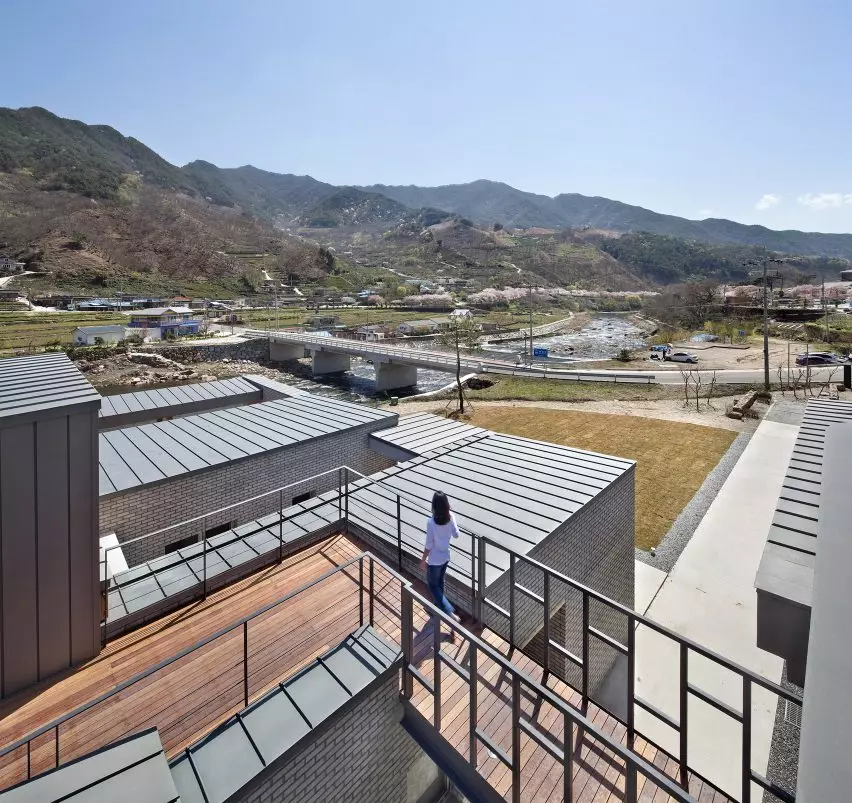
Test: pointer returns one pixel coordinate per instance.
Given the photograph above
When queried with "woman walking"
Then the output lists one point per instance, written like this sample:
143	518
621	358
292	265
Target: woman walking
440	530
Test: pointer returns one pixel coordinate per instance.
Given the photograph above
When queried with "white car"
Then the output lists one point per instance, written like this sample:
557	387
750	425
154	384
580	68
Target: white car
681	356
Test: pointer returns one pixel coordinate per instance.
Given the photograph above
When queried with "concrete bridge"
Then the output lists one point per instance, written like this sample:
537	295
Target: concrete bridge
396	366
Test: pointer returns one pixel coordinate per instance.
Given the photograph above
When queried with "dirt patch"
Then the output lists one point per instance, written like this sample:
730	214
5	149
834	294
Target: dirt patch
660	410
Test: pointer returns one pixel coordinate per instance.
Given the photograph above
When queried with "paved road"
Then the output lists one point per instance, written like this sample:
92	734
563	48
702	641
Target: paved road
739	376
664	374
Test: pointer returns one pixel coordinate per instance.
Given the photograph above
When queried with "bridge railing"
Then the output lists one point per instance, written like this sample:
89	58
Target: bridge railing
442	361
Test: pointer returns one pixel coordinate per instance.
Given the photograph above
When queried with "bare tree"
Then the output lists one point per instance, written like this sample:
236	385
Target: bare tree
462	334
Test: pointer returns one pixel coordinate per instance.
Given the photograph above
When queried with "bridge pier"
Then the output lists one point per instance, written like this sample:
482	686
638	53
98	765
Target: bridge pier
391	375
283	351
327	362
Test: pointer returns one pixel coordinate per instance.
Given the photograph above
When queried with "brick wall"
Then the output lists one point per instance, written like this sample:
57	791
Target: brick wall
365	756
594	547
140	511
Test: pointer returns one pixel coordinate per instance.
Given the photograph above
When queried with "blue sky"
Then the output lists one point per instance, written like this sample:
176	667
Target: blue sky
726	108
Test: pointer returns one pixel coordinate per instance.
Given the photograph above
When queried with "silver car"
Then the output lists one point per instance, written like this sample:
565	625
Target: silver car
682	356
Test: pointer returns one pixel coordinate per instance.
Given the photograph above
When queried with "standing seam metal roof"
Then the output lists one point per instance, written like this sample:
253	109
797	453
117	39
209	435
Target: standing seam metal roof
513	490
425	432
41	383
149	453
164	398
788	559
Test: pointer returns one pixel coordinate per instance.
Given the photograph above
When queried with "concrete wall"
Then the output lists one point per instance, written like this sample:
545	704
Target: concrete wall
49	583
365	756
595	547
143	510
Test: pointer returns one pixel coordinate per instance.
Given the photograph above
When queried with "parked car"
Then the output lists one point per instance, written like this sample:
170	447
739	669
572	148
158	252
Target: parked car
819	358
682	356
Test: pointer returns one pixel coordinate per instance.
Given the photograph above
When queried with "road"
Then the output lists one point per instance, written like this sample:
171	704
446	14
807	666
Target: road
738	376
441	361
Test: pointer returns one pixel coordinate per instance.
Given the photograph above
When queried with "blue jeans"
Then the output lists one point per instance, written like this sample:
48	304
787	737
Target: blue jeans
435	578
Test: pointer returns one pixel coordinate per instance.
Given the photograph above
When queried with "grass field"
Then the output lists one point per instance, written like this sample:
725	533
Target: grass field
672	459
34	330
21	329
531	389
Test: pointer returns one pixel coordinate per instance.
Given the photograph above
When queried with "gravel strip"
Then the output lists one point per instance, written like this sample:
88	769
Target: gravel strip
784	751
676	539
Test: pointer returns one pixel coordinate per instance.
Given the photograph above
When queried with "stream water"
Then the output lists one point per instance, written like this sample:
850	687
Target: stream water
600	339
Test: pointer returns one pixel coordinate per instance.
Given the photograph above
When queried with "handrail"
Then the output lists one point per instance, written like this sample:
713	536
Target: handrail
706	652
634	763
425	356
177	656
633	619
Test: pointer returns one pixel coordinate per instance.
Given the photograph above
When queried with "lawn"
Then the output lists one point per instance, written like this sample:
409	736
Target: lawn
533	389
672	459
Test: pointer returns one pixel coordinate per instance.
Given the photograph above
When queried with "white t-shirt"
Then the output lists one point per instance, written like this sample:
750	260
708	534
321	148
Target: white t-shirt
438	540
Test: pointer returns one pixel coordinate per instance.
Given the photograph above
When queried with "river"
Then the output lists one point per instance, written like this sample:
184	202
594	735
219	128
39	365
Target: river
601	338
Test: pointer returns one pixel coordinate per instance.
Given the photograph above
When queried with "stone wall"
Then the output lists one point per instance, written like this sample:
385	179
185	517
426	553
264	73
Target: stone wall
142	510
256	350
363	757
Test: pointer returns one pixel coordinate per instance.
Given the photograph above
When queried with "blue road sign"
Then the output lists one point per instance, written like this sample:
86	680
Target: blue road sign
539	352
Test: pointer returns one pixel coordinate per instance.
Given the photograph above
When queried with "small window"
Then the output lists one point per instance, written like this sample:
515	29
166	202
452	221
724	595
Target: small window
218	529
297	500
176	545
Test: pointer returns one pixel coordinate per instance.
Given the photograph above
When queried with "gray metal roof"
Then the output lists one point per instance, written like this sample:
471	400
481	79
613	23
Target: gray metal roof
157	311
787	566
165	400
133	771
825	772
150	453
154	581
239	749
98	330
513	490
41	383
420	433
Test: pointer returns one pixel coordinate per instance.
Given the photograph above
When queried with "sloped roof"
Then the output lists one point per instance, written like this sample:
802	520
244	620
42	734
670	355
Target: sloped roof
150	453
43	382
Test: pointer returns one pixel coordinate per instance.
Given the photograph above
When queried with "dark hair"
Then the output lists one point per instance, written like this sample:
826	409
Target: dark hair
440	508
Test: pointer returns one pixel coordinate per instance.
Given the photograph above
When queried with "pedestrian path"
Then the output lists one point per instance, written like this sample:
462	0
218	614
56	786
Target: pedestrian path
709	596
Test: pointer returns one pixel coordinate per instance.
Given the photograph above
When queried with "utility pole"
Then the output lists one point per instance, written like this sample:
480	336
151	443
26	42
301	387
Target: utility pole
531	326
824	310
766	278
765	327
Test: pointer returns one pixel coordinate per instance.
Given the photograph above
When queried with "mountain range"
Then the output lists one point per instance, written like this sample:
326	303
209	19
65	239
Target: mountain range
43	153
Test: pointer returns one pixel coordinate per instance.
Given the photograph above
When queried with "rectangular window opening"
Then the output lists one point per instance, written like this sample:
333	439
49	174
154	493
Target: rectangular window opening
180	544
218	529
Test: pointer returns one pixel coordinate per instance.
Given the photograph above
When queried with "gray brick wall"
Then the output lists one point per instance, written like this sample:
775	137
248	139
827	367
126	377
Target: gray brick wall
140	511
365	756
594	547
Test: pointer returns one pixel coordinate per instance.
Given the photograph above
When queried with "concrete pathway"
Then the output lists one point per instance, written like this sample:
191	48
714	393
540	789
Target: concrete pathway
709	596
647	584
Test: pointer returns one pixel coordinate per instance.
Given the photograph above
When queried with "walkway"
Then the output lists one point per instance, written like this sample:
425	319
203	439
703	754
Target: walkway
709	596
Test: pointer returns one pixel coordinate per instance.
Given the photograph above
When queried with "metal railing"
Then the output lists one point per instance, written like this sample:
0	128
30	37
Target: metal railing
373	579
351	481
198	526
686	647
442	361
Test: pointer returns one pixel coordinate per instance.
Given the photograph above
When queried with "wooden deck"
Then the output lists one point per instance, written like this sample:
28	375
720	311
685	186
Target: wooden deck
189	697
